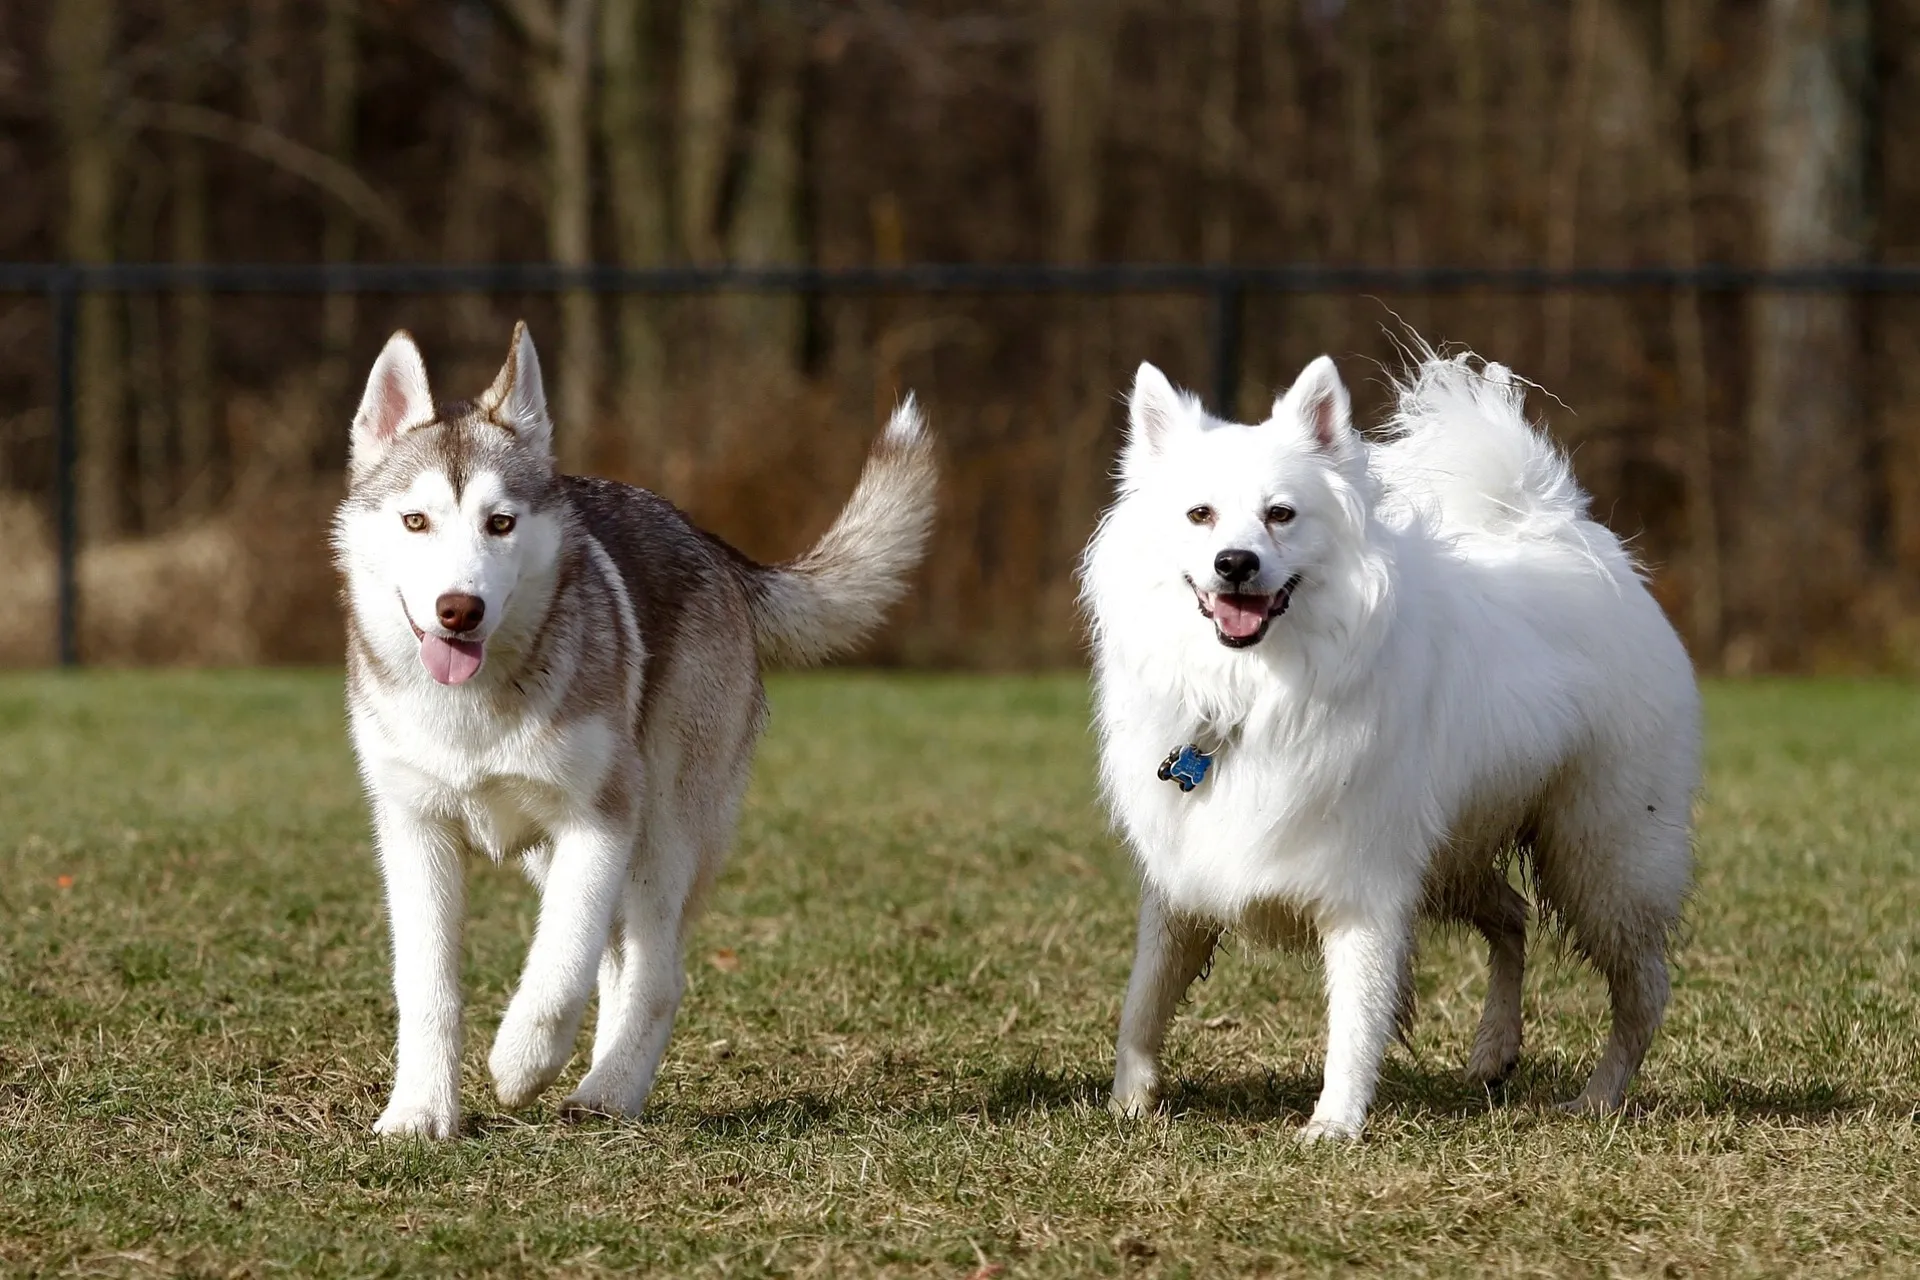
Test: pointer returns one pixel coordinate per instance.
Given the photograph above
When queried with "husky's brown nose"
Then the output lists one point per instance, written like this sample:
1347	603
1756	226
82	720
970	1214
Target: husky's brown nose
460	612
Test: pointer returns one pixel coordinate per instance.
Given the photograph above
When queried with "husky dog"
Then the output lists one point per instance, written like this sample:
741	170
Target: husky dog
566	671
1374	671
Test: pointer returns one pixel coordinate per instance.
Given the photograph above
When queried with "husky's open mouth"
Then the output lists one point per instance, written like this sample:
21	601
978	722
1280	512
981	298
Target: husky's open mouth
1240	620
446	659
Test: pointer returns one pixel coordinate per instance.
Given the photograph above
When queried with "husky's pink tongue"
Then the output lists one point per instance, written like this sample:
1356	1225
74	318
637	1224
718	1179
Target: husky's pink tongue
1240	616
450	661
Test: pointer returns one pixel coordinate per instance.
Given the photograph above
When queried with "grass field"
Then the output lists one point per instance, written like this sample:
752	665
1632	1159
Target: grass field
896	1036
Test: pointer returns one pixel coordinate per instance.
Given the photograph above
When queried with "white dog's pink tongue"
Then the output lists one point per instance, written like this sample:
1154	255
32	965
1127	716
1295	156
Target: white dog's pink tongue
1240	616
450	661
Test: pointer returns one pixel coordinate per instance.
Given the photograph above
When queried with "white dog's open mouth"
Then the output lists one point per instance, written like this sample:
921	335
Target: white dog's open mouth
1240	619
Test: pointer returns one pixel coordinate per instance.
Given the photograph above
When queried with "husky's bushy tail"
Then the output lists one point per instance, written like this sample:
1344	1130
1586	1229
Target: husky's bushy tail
1462	449
826	601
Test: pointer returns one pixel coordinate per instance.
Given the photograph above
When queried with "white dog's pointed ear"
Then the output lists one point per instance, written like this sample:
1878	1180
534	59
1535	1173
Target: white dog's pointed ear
1318	398
396	399
1153	407
517	400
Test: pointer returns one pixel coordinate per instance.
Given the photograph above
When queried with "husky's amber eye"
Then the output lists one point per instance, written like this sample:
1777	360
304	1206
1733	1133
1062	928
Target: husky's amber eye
500	524
1279	513
1200	515
414	521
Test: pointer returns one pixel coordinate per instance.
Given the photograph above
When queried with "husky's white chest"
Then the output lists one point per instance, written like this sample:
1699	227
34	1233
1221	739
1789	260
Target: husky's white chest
500	784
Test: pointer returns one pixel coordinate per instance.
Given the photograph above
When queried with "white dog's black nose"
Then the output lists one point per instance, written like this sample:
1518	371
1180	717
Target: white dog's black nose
1236	565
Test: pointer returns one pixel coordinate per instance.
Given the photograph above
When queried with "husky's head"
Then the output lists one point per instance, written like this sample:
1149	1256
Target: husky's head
452	517
1246	518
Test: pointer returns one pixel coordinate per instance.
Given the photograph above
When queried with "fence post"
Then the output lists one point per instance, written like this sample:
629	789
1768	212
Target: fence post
1227	300
63	297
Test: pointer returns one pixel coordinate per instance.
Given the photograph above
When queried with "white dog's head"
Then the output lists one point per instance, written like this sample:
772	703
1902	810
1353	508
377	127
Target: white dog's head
451	509
1245	516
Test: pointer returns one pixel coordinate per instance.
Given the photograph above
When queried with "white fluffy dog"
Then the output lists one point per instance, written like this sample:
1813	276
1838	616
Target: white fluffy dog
1368	674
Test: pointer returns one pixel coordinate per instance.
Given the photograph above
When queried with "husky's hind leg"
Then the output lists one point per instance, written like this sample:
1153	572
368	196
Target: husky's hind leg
1500	914
581	889
637	1018
1169	953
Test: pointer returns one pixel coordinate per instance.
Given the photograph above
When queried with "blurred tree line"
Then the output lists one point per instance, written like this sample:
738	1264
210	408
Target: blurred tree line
1761	447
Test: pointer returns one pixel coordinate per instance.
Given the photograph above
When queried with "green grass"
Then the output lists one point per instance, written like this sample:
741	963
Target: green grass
897	1029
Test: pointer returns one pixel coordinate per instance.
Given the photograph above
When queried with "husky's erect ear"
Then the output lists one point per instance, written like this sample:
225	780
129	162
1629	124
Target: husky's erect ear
517	400
1154	408
396	398
1318	399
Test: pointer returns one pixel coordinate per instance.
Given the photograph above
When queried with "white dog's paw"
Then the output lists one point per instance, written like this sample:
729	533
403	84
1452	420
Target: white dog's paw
1330	1130
527	1057
418	1120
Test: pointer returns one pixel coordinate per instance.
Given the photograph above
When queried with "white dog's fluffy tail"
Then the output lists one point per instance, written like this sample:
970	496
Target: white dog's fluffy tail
828	600
1463	451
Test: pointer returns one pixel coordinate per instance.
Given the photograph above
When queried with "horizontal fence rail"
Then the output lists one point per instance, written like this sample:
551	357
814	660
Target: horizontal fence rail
1226	287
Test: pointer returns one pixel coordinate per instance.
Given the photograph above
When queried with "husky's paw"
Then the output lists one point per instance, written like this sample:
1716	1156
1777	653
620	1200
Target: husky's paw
1132	1104
1321	1130
1490	1067
600	1098
527	1057
418	1120
1590	1105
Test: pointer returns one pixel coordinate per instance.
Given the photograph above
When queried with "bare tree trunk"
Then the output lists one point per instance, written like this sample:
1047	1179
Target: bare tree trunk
1220	128
1805	444
766	225
468	234
80	42
1075	68
339	79
707	88
631	133
1706	607
192	337
562	32
1563	183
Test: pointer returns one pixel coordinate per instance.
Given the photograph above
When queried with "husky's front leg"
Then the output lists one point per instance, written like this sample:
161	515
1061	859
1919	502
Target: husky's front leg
582	888
1168	954
1365	959
426	897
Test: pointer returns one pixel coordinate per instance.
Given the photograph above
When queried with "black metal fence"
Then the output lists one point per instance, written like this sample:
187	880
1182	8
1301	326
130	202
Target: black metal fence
1225	288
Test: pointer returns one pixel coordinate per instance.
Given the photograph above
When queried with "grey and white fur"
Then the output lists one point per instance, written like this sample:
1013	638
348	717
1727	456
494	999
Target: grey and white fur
566	671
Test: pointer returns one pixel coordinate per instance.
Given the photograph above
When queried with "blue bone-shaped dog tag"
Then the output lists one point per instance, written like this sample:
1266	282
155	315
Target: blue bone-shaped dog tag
1187	766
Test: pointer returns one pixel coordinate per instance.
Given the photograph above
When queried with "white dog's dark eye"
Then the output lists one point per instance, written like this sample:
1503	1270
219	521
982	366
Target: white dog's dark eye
501	524
1201	515
414	521
1279	513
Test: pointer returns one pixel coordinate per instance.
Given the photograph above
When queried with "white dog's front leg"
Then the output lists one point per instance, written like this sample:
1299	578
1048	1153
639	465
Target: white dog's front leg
426	897
1364	962
582	888
1169	952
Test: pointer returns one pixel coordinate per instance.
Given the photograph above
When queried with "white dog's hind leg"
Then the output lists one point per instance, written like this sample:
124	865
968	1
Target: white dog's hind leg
1500	914
426	898
1169	953
582	887
1365	961
1638	986
1619	886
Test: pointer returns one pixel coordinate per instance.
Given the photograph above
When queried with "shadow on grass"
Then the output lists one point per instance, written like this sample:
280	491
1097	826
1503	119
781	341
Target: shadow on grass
1410	1091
